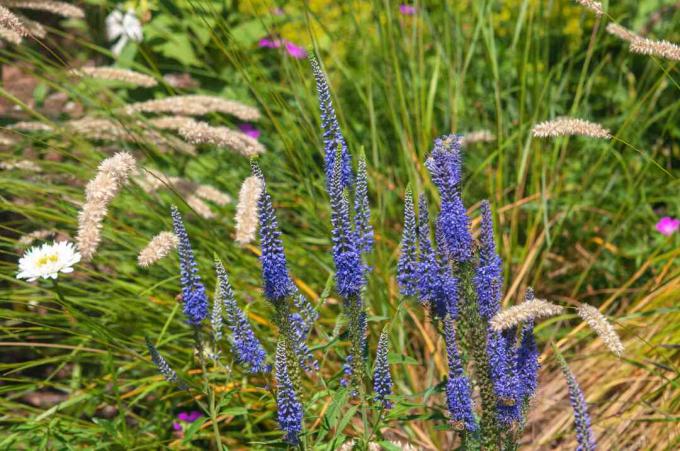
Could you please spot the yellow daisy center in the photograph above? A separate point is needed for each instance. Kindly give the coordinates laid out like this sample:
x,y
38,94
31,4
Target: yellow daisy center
x,y
42,261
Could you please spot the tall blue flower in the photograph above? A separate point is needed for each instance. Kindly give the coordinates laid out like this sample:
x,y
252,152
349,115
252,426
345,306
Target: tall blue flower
x,y
194,297
349,269
503,376
427,267
163,367
288,406
382,379
332,135
277,283
362,212
584,435
247,349
527,358
458,391
407,265
445,165
306,309
444,298
489,274
454,225
301,331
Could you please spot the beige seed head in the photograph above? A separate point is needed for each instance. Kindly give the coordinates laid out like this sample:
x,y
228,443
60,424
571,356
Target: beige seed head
x,y
621,32
30,126
159,246
662,49
116,74
10,36
212,194
602,327
34,28
477,136
171,122
59,8
195,105
37,235
595,7
567,126
526,311
9,21
246,210
25,165
203,133
112,174
201,208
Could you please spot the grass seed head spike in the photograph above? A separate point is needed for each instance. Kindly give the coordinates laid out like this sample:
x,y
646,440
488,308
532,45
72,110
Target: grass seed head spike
x,y
204,133
25,165
662,49
602,327
62,9
117,74
621,32
160,246
567,126
526,311
112,174
9,35
195,105
10,21
246,210
594,6
476,137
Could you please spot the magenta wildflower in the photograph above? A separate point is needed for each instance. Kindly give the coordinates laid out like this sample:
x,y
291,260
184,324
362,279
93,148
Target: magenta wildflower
x,y
667,225
270,43
185,418
250,130
407,10
295,50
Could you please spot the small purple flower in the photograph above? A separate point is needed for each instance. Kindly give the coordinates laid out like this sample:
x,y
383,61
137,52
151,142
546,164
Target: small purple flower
x,y
185,418
407,10
667,225
250,130
295,50
270,43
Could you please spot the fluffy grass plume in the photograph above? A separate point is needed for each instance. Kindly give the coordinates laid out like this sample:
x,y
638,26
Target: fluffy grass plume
x,y
662,49
59,8
595,7
117,74
246,210
112,174
621,32
567,126
195,105
602,327
160,246
204,133
26,165
11,22
526,311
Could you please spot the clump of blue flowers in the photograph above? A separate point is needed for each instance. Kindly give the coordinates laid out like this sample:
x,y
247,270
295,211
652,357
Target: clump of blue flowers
x,y
460,281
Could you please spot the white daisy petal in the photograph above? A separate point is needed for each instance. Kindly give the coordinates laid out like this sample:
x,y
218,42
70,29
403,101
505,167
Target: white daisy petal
x,y
47,261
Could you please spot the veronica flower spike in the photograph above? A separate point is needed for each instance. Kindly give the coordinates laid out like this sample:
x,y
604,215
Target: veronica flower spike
x,y
407,265
382,379
194,297
458,389
289,407
362,212
584,435
277,282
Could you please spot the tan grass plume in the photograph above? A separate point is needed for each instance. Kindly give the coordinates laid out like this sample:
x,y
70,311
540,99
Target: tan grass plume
x,y
116,74
246,210
112,174
568,126
171,122
621,32
26,165
9,21
30,126
477,136
59,8
602,327
526,311
195,105
203,133
662,49
159,246
9,35
37,235
594,6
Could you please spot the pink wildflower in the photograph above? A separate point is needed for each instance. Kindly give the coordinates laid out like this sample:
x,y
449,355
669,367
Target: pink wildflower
x,y
250,130
667,225
185,418
295,51
270,43
407,10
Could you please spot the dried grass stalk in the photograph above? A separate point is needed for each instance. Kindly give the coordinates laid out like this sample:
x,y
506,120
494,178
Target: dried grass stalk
x,y
595,7
195,105
567,126
9,21
59,8
116,74
526,311
112,174
602,327
26,165
662,49
246,210
477,136
159,246
203,133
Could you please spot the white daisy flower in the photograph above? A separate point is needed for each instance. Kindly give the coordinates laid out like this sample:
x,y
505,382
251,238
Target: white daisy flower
x,y
124,26
48,260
